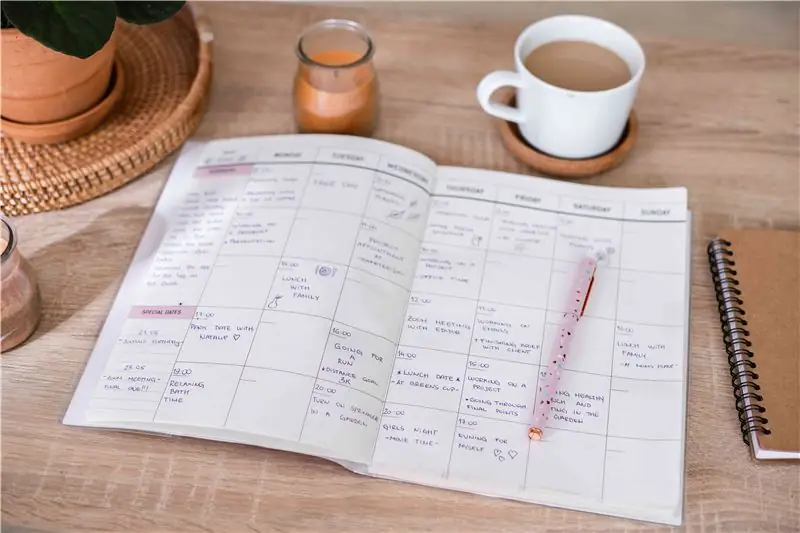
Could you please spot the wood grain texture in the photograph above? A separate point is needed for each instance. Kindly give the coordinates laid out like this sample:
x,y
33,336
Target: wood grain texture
x,y
721,119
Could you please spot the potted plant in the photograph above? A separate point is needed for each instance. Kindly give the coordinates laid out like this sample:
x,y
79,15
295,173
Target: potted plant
x,y
58,56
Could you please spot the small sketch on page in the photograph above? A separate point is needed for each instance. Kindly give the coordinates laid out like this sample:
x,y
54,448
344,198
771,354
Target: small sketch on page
x,y
325,271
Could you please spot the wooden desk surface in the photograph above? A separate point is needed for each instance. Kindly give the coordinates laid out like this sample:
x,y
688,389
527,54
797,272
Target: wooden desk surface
x,y
719,119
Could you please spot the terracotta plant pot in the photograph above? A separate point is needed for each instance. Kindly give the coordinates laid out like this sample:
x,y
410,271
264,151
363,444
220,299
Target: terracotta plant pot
x,y
40,85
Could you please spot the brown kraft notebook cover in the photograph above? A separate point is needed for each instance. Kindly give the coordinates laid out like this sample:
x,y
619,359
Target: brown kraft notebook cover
x,y
756,275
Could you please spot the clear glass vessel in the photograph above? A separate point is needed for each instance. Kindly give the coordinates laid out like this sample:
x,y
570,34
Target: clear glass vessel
x,y
335,85
20,310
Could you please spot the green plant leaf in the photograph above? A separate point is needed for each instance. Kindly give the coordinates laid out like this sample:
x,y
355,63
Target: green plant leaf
x,y
147,12
73,27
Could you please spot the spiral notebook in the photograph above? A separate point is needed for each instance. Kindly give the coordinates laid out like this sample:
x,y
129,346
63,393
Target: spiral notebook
x,y
756,273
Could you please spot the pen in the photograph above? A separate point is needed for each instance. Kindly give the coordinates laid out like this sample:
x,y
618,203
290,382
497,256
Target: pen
x,y
578,298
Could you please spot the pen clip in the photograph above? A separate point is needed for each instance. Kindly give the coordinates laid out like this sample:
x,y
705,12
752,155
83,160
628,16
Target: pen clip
x,y
598,256
586,298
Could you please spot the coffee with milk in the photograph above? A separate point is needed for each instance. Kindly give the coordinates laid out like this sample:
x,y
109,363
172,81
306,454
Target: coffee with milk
x,y
578,66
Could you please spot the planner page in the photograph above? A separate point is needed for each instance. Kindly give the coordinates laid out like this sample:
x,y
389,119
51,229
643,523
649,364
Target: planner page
x,y
267,296
490,289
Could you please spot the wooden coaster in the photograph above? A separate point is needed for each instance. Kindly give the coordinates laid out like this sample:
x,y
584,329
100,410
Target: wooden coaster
x,y
566,168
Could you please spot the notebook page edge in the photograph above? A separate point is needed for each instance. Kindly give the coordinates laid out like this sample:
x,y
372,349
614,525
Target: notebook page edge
x,y
548,498
77,409
767,454
687,344
227,436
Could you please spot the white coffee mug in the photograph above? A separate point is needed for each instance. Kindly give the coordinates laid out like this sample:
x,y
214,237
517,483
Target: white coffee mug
x,y
560,122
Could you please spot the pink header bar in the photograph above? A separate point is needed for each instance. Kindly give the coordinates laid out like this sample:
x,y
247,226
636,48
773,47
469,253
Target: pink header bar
x,y
162,311
226,170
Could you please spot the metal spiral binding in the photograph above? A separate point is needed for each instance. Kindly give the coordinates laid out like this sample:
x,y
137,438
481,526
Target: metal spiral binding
x,y
744,378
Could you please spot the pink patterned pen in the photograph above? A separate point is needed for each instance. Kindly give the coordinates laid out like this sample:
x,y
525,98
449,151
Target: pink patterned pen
x,y
578,298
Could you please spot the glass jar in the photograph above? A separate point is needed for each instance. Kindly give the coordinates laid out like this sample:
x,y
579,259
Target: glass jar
x,y
21,304
335,85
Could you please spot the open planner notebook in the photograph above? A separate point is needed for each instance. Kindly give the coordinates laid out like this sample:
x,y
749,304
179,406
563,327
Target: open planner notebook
x,y
348,298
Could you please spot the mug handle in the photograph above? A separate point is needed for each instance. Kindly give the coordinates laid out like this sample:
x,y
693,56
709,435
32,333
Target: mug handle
x,y
489,84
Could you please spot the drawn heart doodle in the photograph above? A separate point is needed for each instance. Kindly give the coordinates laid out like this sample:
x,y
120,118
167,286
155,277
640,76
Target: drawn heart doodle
x,y
497,452
512,453
236,336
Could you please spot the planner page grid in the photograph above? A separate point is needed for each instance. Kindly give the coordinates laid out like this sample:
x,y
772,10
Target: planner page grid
x,y
347,295
495,267
271,300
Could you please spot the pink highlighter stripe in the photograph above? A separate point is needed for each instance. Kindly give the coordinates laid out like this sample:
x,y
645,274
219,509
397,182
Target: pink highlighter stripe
x,y
223,171
162,311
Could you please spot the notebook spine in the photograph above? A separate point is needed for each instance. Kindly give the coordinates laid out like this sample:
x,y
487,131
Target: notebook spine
x,y
744,378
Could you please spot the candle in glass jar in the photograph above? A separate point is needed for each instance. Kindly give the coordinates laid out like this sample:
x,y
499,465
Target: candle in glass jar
x,y
21,304
335,86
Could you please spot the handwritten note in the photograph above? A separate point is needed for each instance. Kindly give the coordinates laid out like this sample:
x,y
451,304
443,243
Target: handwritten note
x,y
427,378
342,419
220,335
508,332
648,352
415,439
133,381
489,452
185,258
306,286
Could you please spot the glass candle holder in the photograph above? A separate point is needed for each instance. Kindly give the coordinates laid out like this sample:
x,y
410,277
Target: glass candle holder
x,y
21,304
335,85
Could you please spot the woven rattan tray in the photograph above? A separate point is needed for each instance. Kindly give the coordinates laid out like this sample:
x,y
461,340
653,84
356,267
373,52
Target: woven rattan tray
x,y
168,78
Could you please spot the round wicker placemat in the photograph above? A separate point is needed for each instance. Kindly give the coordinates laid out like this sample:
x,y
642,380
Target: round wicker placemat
x,y
168,72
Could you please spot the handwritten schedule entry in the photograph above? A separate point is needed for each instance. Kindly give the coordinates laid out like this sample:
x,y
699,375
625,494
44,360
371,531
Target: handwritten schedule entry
x,y
347,297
